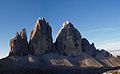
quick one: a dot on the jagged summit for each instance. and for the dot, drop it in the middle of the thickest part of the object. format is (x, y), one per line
(40, 24)
(67, 24)
(41, 18)
(19, 44)
(41, 37)
(23, 33)
(68, 40)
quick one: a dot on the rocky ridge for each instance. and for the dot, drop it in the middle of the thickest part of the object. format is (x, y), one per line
(69, 50)
(68, 40)
(19, 44)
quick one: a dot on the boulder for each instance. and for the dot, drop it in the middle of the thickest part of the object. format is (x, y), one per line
(68, 41)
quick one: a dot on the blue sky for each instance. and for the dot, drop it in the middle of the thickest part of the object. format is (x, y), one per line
(97, 20)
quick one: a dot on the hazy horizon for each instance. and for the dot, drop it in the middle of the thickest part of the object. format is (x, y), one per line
(97, 20)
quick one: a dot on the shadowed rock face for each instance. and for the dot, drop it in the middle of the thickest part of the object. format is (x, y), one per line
(68, 40)
(19, 44)
(88, 48)
(118, 56)
(41, 38)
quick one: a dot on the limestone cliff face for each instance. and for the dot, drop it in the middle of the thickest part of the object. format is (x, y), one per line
(41, 38)
(19, 44)
(68, 40)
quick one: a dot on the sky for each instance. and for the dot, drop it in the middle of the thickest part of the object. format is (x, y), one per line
(97, 20)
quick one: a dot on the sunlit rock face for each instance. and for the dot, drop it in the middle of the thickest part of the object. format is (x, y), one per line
(68, 40)
(61, 62)
(41, 38)
(19, 44)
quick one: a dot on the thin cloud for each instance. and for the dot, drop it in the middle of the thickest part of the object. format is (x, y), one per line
(112, 47)
(117, 50)
(109, 46)
(102, 30)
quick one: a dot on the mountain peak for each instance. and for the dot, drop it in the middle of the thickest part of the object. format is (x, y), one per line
(23, 33)
(41, 37)
(19, 44)
(40, 19)
(69, 40)
(67, 24)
